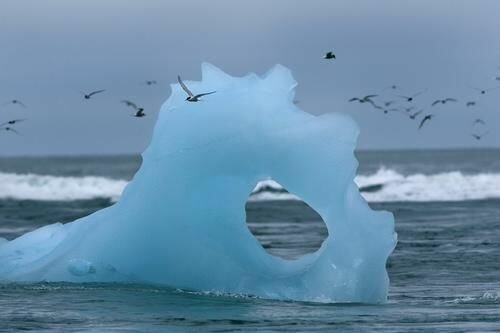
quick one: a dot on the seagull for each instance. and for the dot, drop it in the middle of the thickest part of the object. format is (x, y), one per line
(479, 136)
(443, 101)
(412, 97)
(139, 111)
(329, 55)
(191, 97)
(424, 120)
(483, 91)
(366, 99)
(10, 129)
(139, 114)
(87, 96)
(12, 122)
(150, 82)
(415, 115)
(478, 121)
(16, 102)
(470, 103)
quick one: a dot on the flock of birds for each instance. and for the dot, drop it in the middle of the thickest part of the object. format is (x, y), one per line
(479, 126)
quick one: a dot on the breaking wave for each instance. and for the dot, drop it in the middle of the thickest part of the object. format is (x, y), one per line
(385, 185)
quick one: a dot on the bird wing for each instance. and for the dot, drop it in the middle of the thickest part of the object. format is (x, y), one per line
(13, 121)
(354, 99)
(10, 129)
(129, 103)
(419, 93)
(21, 103)
(451, 99)
(184, 86)
(96, 92)
(437, 101)
(423, 121)
(369, 96)
(402, 96)
(204, 94)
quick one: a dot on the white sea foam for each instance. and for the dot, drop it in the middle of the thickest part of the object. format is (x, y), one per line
(447, 186)
(54, 188)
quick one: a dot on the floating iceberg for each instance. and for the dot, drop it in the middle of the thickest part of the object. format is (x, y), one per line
(181, 221)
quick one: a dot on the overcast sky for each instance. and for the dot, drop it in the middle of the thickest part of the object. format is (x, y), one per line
(53, 49)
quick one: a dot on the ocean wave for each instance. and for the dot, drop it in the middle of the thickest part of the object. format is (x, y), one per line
(385, 185)
(54, 188)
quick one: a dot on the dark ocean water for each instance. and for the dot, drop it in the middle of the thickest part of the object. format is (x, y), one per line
(445, 270)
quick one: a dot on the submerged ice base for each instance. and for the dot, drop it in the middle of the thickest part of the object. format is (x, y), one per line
(181, 221)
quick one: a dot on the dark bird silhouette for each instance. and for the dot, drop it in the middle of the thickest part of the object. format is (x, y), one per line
(424, 120)
(478, 121)
(412, 97)
(366, 99)
(470, 103)
(484, 91)
(89, 95)
(9, 129)
(16, 102)
(139, 111)
(150, 82)
(12, 122)
(443, 101)
(329, 55)
(479, 136)
(139, 114)
(191, 97)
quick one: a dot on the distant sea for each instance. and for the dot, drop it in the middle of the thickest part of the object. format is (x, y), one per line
(445, 270)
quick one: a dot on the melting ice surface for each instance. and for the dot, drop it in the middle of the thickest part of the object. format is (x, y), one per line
(181, 221)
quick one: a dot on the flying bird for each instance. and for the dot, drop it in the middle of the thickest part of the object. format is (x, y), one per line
(150, 82)
(484, 91)
(16, 102)
(412, 97)
(191, 97)
(424, 120)
(329, 55)
(366, 99)
(139, 111)
(89, 95)
(139, 114)
(10, 129)
(470, 103)
(443, 101)
(12, 122)
(479, 136)
(478, 121)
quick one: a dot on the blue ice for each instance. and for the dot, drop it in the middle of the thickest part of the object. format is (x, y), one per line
(181, 221)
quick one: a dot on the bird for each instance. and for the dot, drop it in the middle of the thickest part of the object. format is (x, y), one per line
(366, 99)
(16, 102)
(191, 97)
(413, 116)
(412, 97)
(139, 114)
(443, 101)
(12, 122)
(139, 111)
(479, 136)
(470, 103)
(150, 82)
(89, 95)
(483, 91)
(478, 121)
(329, 55)
(424, 120)
(10, 129)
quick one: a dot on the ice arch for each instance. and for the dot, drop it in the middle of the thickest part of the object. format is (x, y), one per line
(181, 221)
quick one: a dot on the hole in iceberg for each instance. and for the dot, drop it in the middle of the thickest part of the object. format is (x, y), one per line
(284, 225)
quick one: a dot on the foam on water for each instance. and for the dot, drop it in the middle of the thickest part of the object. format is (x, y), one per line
(446, 186)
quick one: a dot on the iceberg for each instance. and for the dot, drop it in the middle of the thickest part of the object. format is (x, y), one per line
(181, 221)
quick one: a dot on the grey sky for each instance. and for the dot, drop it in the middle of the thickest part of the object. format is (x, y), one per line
(52, 49)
